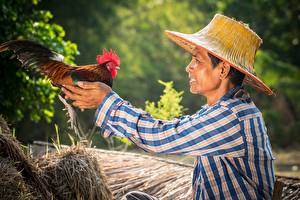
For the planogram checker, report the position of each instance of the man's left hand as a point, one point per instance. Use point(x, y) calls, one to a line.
point(87, 95)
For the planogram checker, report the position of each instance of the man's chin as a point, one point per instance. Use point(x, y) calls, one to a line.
point(193, 91)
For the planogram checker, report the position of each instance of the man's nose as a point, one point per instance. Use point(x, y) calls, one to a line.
point(187, 68)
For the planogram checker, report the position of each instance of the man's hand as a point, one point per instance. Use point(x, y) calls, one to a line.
point(87, 95)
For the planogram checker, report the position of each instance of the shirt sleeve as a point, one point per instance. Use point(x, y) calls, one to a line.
point(214, 132)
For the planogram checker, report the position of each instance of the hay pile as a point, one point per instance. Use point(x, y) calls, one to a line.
point(291, 189)
point(69, 174)
point(23, 173)
point(12, 185)
point(74, 174)
point(162, 178)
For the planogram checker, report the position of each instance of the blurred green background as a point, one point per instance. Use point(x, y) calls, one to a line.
point(80, 29)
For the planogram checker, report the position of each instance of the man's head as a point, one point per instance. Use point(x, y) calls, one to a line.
point(208, 74)
point(231, 41)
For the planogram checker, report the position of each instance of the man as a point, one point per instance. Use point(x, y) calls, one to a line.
point(227, 135)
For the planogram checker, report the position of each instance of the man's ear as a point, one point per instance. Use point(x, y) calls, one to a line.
point(225, 68)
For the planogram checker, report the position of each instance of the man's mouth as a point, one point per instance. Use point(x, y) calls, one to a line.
point(192, 80)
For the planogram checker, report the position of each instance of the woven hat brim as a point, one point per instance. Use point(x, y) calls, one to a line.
point(189, 42)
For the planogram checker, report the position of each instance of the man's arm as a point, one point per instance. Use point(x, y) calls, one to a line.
point(215, 133)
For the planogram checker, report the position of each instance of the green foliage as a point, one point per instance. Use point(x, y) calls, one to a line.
point(278, 74)
point(24, 93)
point(169, 105)
point(147, 55)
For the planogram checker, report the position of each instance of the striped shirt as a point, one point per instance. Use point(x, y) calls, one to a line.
point(233, 156)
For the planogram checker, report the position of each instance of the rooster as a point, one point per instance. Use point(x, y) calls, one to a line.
point(49, 63)
point(35, 56)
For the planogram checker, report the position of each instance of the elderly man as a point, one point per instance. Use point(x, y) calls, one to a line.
point(227, 136)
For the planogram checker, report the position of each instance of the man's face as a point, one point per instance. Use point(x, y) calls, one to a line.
point(204, 79)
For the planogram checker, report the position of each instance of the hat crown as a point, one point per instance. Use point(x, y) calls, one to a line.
point(234, 41)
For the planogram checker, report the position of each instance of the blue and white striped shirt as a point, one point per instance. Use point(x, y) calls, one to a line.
point(233, 156)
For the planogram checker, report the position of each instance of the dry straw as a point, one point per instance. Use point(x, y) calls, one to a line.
point(12, 185)
point(74, 174)
point(70, 174)
point(10, 150)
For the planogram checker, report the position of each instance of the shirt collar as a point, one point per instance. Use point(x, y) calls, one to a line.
point(231, 93)
point(235, 92)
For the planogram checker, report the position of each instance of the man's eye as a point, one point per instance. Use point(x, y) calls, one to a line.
point(198, 61)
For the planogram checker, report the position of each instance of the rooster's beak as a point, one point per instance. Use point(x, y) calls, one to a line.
point(117, 68)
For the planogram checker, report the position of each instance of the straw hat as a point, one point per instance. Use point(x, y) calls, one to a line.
point(229, 40)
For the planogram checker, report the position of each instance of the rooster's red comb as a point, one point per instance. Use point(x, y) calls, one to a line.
point(108, 56)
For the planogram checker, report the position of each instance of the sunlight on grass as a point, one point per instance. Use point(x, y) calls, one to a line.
point(56, 143)
point(287, 163)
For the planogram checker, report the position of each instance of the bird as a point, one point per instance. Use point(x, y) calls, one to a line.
point(35, 56)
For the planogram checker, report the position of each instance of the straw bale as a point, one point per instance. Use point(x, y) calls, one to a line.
point(74, 174)
point(12, 185)
point(162, 178)
point(10, 150)
point(291, 189)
